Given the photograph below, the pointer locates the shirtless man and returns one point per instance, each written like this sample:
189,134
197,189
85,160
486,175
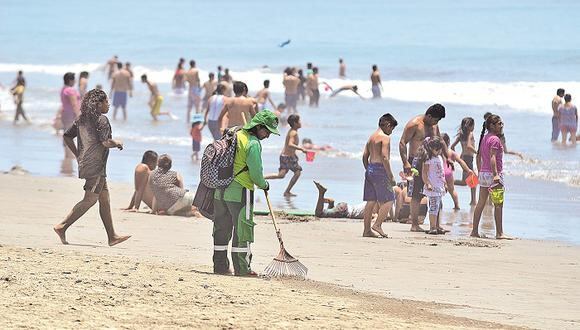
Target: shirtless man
556,102
341,69
83,83
377,86
121,86
227,81
416,130
290,83
238,107
263,96
155,100
379,178
112,66
288,157
143,191
194,91
312,87
128,68
209,87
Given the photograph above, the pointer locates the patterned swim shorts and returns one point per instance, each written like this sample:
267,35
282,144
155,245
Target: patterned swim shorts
289,163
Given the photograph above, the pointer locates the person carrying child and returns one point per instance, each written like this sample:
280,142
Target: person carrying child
433,176
490,166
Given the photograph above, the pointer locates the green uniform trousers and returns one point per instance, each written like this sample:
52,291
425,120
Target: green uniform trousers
233,215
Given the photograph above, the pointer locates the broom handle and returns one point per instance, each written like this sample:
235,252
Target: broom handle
273,217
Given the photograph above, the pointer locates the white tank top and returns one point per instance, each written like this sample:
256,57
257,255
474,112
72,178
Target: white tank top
216,103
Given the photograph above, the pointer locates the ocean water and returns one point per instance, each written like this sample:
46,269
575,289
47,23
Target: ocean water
472,57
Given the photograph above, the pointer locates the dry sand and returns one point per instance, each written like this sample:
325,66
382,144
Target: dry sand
408,281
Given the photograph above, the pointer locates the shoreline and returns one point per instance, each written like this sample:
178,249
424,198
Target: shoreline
478,275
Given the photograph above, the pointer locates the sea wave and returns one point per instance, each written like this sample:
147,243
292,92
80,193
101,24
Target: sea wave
543,169
532,96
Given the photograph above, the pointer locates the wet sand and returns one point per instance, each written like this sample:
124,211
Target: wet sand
445,281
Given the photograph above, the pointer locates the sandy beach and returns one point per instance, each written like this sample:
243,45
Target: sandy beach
161,276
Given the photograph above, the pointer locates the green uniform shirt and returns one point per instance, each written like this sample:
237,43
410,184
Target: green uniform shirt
248,152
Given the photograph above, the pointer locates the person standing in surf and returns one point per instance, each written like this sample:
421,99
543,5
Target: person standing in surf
178,81
468,151
379,179
377,85
416,130
490,167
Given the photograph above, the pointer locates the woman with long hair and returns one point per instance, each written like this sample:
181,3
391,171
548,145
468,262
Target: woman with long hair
490,166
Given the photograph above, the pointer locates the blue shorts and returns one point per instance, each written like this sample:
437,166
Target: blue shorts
194,95
377,186
195,146
120,99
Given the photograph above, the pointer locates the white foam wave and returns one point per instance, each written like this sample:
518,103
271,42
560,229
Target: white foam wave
522,95
548,170
51,69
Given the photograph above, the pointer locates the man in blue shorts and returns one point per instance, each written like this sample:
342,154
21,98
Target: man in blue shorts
121,86
379,179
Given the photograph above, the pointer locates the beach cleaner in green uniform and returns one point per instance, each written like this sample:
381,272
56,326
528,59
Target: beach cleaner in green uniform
233,205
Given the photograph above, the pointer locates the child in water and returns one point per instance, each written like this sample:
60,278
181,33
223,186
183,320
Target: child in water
434,178
195,132
468,151
448,166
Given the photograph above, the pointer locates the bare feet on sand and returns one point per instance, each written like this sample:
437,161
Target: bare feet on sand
370,234
60,231
289,194
320,187
504,236
380,231
417,229
476,235
118,239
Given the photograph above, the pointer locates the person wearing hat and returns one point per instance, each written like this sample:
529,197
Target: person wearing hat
195,132
233,205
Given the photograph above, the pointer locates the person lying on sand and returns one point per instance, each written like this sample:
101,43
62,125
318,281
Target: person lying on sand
336,210
143,191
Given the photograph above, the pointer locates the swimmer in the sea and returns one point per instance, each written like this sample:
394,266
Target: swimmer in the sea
307,144
353,88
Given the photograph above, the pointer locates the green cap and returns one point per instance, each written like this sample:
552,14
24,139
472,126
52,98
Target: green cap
265,118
